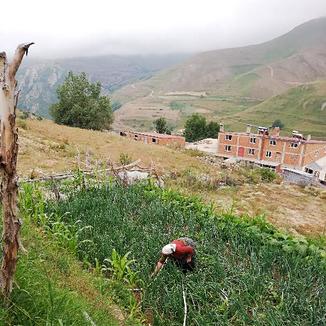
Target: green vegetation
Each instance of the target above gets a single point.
(194, 181)
(81, 104)
(243, 84)
(161, 126)
(176, 105)
(196, 128)
(247, 273)
(50, 286)
(242, 69)
(301, 108)
(116, 105)
(212, 129)
(125, 159)
(278, 123)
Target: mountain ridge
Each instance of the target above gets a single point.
(256, 71)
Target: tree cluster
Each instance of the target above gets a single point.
(81, 104)
(161, 126)
(197, 128)
(278, 123)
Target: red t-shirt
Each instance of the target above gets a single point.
(182, 250)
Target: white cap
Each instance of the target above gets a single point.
(169, 249)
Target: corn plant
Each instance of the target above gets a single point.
(119, 268)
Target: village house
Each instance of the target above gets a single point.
(154, 138)
(267, 148)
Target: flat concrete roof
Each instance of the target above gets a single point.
(318, 165)
(285, 138)
(156, 135)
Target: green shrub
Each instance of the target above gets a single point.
(267, 175)
(80, 104)
(125, 159)
(21, 124)
(24, 115)
(196, 128)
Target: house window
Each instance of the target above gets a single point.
(228, 137)
(253, 140)
(227, 148)
(294, 145)
(251, 151)
(272, 142)
(153, 140)
(268, 154)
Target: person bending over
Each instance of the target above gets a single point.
(182, 251)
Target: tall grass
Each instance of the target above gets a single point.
(50, 287)
(247, 273)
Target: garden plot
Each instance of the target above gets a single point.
(247, 273)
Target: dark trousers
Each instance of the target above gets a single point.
(184, 265)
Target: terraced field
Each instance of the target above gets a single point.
(248, 273)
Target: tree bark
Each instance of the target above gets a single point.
(8, 162)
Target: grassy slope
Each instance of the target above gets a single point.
(300, 108)
(50, 286)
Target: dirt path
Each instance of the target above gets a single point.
(271, 71)
(323, 107)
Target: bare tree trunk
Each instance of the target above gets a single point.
(8, 161)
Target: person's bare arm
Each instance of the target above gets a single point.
(190, 252)
(159, 265)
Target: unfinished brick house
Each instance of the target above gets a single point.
(154, 138)
(268, 148)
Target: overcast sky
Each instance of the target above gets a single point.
(70, 27)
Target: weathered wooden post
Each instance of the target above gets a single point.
(8, 161)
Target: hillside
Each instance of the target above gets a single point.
(38, 79)
(300, 108)
(46, 148)
(225, 77)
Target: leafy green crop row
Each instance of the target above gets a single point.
(248, 273)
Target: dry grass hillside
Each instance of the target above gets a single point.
(46, 147)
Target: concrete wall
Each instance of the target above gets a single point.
(298, 178)
(157, 140)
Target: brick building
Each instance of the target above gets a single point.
(154, 138)
(268, 148)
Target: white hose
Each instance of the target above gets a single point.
(185, 305)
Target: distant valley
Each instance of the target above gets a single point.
(224, 84)
(38, 79)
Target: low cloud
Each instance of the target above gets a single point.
(79, 28)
